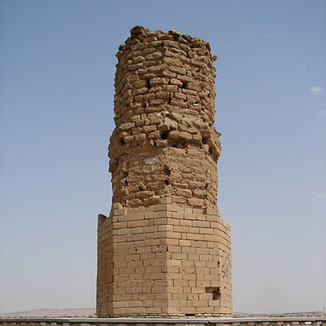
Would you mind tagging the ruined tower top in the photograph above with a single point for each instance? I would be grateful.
(164, 143)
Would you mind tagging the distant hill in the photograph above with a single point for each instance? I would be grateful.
(52, 313)
(319, 314)
(90, 312)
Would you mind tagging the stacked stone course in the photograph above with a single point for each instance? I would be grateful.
(164, 251)
(165, 142)
(168, 260)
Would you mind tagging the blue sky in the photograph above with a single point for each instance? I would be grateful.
(57, 64)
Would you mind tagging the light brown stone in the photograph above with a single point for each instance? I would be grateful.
(164, 251)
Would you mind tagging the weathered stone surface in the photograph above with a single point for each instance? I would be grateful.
(164, 251)
(171, 76)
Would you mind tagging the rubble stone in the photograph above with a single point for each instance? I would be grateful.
(164, 251)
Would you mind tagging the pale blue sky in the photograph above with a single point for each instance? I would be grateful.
(57, 74)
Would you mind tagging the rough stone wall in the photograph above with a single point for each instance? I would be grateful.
(164, 142)
(164, 261)
(164, 251)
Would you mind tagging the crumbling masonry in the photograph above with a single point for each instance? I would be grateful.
(164, 251)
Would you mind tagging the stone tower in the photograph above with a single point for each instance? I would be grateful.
(164, 251)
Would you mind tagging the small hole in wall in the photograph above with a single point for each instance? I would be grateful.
(190, 315)
(165, 134)
(122, 141)
(184, 85)
(167, 182)
(125, 183)
(148, 83)
(178, 144)
(181, 145)
(218, 264)
(205, 140)
(167, 171)
(216, 292)
(176, 37)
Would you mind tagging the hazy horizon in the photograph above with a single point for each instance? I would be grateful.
(71, 311)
